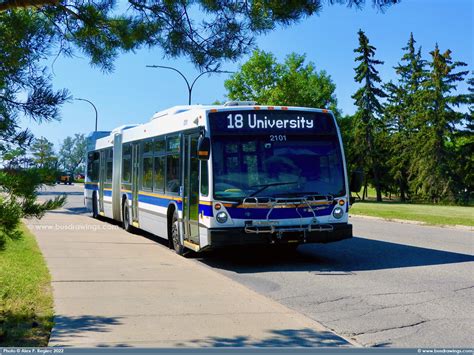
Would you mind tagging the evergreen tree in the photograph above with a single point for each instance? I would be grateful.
(43, 153)
(437, 123)
(400, 112)
(368, 126)
(463, 146)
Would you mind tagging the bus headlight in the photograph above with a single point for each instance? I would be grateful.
(338, 212)
(221, 217)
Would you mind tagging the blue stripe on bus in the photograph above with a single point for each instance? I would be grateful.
(93, 187)
(159, 201)
(277, 213)
(205, 209)
(237, 213)
(152, 200)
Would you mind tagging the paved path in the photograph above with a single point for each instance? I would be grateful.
(112, 288)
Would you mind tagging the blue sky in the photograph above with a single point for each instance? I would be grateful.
(132, 93)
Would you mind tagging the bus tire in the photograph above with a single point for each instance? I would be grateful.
(95, 209)
(126, 217)
(177, 246)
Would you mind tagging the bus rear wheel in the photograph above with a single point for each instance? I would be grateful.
(126, 217)
(95, 209)
(177, 246)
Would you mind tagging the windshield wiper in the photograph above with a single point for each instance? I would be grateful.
(265, 186)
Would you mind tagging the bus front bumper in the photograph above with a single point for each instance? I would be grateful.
(237, 236)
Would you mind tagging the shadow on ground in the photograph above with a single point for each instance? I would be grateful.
(70, 210)
(356, 254)
(279, 338)
(66, 328)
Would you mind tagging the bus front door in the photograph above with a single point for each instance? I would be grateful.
(191, 188)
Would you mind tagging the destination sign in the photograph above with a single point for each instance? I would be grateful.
(271, 121)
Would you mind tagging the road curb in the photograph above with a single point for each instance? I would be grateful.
(419, 223)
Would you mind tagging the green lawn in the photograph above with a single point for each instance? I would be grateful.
(431, 214)
(26, 302)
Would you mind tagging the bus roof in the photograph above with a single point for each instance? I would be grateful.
(178, 117)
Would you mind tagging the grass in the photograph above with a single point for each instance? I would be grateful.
(431, 214)
(26, 302)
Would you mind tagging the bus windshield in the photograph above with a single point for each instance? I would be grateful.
(276, 166)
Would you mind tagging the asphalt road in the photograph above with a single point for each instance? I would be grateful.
(393, 284)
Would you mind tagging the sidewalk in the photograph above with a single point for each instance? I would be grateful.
(112, 288)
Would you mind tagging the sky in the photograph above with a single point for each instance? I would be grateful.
(132, 93)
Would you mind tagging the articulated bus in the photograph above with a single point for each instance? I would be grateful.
(205, 177)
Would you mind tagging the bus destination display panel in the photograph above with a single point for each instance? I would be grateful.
(271, 122)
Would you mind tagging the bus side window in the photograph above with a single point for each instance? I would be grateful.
(126, 163)
(172, 173)
(93, 166)
(159, 165)
(204, 178)
(172, 164)
(147, 165)
(109, 164)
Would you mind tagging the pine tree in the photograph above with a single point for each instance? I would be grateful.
(43, 153)
(400, 112)
(463, 146)
(437, 123)
(367, 120)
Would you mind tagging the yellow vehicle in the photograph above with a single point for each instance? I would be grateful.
(65, 178)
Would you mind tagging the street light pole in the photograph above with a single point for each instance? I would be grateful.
(190, 86)
(95, 109)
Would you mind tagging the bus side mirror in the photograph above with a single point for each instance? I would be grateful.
(357, 179)
(204, 148)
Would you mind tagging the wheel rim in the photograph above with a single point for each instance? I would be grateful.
(125, 217)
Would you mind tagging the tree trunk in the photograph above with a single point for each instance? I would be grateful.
(378, 189)
(402, 192)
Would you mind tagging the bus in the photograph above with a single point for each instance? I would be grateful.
(206, 177)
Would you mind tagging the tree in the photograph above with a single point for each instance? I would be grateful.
(43, 154)
(400, 112)
(18, 197)
(293, 83)
(437, 123)
(72, 153)
(464, 150)
(368, 126)
(225, 29)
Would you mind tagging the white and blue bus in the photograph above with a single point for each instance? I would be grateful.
(212, 176)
